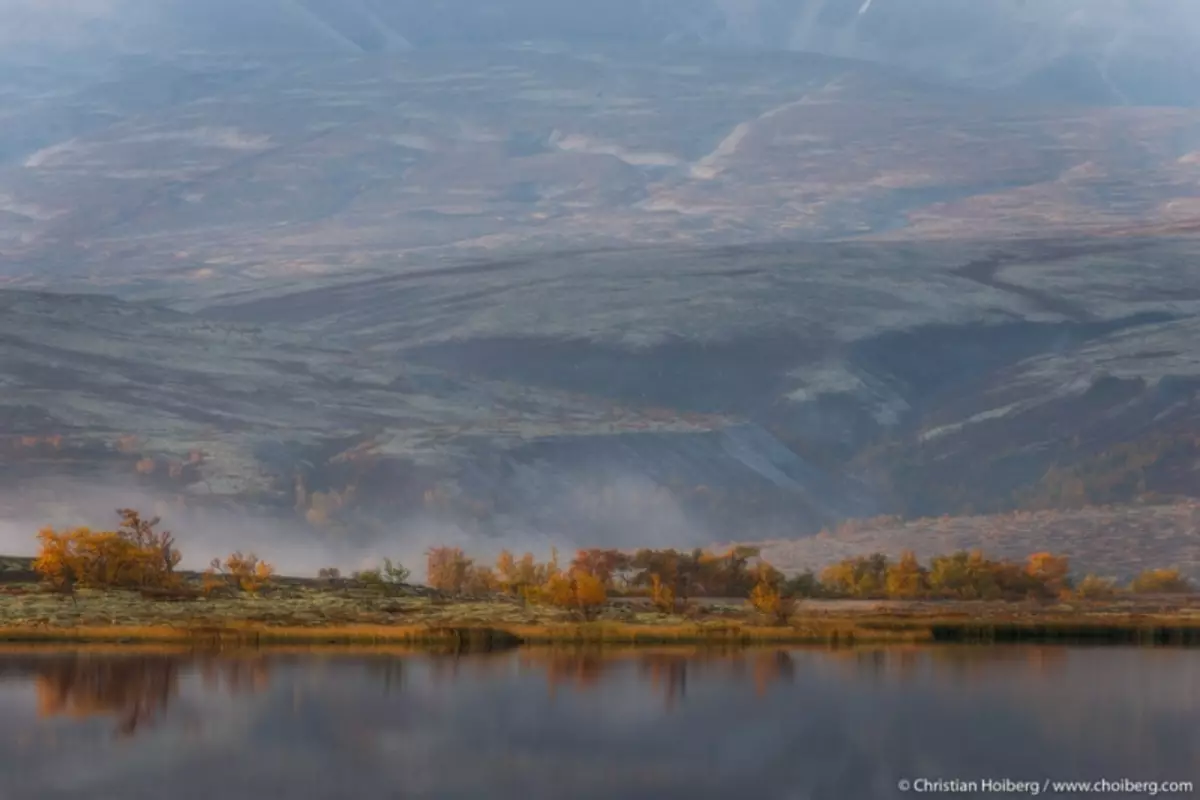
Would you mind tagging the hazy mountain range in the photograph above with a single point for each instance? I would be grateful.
(630, 273)
(1133, 50)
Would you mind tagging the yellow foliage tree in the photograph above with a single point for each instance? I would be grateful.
(662, 597)
(58, 562)
(590, 593)
(907, 578)
(557, 591)
(766, 598)
(865, 576)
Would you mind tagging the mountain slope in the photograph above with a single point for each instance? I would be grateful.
(624, 397)
(223, 171)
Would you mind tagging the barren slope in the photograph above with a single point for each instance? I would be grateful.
(629, 396)
(224, 169)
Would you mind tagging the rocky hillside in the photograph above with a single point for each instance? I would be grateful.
(639, 397)
(218, 171)
(1116, 542)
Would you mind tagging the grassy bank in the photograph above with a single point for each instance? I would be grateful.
(313, 615)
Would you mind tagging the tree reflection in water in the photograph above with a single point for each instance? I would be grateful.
(668, 672)
(136, 690)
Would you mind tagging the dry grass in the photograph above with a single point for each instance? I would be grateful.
(307, 615)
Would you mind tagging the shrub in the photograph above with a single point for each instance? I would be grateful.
(246, 573)
(394, 572)
(1093, 587)
(1160, 581)
(390, 573)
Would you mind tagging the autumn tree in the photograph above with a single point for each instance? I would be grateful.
(1161, 581)
(1050, 573)
(447, 569)
(966, 576)
(907, 578)
(134, 556)
(650, 564)
(58, 563)
(140, 532)
(603, 564)
(480, 580)
(1093, 587)
(590, 593)
(506, 572)
(519, 577)
(576, 590)
(768, 599)
(246, 573)
(864, 576)
(556, 591)
(662, 596)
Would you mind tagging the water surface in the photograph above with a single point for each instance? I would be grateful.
(840, 724)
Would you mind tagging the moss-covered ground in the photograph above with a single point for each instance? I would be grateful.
(298, 612)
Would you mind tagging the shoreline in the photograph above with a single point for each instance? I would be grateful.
(1093, 626)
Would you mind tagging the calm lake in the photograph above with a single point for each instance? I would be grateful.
(841, 724)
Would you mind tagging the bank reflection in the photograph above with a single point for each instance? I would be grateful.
(135, 691)
(668, 672)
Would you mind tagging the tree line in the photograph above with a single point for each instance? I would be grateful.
(670, 578)
(137, 556)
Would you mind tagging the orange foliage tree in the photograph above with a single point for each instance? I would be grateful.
(1050, 572)
(134, 556)
(578, 590)
(447, 569)
(247, 573)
